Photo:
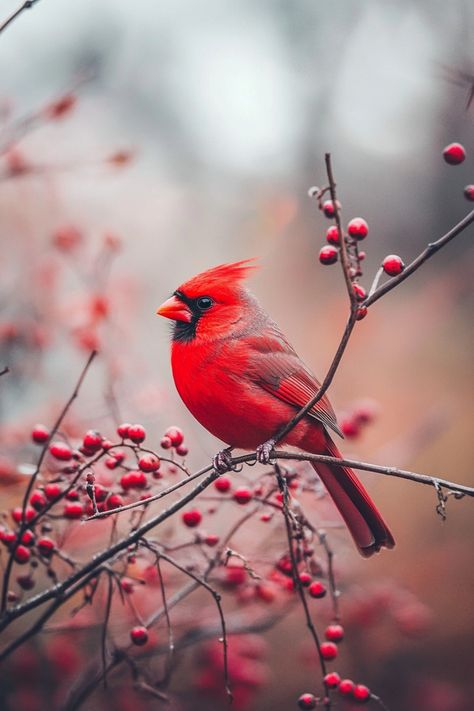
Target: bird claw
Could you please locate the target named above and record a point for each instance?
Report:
(222, 461)
(264, 451)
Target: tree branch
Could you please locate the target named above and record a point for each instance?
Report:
(25, 6)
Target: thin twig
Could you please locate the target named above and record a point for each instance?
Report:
(25, 6)
(430, 250)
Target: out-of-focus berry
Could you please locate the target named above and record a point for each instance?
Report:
(454, 154)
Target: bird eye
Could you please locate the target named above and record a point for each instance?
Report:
(204, 303)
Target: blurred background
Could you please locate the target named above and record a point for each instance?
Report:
(190, 136)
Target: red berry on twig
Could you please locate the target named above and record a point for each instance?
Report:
(329, 208)
(46, 546)
(52, 491)
(361, 313)
(454, 154)
(122, 430)
(358, 228)
(332, 235)
(332, 680)
(149, 463)
(307, 701)
(39, 434)
(393, 265)
(192, 518)
(346, 687)
(359, 291)
(61, 450)
(328, 650)
(242, 496)
(139, 636)
(361, 693)
(317, 589)
(136, 433)
(22, 555)
(92, 441)
(223, 484)
(328, 254)
(176, 436)
(73, 510)
(469, 192)
(38, 500)
(334, 633)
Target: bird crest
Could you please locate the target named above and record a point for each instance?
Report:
(222, 276)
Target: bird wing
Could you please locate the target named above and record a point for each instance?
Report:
(277, 368)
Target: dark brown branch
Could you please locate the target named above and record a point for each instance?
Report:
(430, 250)
(5, 370)
(25, 6)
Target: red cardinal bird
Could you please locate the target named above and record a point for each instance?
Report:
(243, 381)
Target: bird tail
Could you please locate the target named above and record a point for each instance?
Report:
(367, 527)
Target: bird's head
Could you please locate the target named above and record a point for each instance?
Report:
(211, 303)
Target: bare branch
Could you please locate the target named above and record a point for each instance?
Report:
(25, 6)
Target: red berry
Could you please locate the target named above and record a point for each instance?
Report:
(175, 435)
(133, 480)
(8, 537)
(328, 254)
(328, 650)
(454, 154)
(362, 256)
(67, 238)
(165, 443)
(332, 235)
(350, 428)
(149, 463)
(334, 633)
(139, 636)
(359, 291)
(242, 496)
(52, 491)
(307, 701)
(469, 192)
(317, 589)
(39, 434)
(92, 441)
(361, 313)
(112, 462)
(28, 538)
(358, 228)
(182, 450)
(38, 500)
(192, 518)
(26, 582)
(361, 693)
(17, 514)
(100, 493)
(136, 433)
(61, 450)
(114, 502)
(122, 430)
(46, 546)
(22, 555)
(211, 540)
(393, 265)
(305, 579)
(73, 510)
(72, 495)
(329, 207)
(266, 517)
(127, 585)
(223, 484)
(346, 687)
(332, 680)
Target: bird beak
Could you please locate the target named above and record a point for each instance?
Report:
(175, 309)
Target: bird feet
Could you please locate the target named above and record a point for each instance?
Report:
(264, 451)
(222, 461)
